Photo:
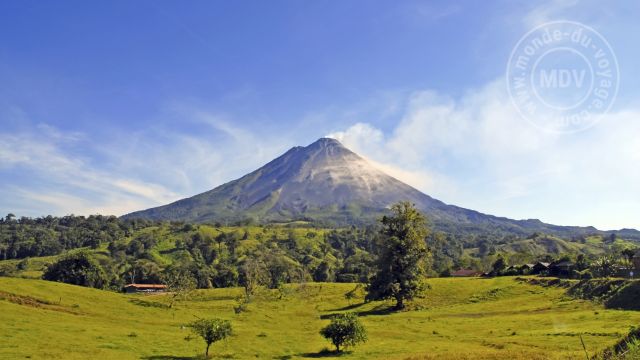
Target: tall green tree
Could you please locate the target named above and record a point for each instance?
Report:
(498, 266)
(402, 255)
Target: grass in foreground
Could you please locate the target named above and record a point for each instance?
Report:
(459, 319)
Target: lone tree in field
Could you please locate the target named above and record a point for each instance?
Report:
(402, 255)
(211, 330)
(344, 330)
(180, 283)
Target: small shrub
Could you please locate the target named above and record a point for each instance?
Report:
(7, 270)
(242, 303)
(240, 308)
(23, 265)
(211, 330)
(345, 330)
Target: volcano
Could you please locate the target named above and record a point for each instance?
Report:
(329, 184)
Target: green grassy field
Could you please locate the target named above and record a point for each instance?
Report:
(497, 318)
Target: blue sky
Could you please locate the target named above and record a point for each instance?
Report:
(117, 106)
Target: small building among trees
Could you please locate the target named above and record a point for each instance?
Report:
(561, 268)
(540, 268)
(144, 288)
(526, 268)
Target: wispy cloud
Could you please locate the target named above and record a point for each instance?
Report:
(53, 173)
(60, 173)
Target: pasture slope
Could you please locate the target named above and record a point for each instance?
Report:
(497, 318)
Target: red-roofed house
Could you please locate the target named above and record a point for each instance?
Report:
(466, 273)
(133, 288)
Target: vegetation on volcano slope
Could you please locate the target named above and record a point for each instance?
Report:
(464, 318)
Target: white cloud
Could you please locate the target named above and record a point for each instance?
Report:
(477, 152)
(359, 135)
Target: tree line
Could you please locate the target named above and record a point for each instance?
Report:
(117, 252)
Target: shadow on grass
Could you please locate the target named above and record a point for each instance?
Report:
(171, 357)
(324, 353)
(378, 310)
(348, 307)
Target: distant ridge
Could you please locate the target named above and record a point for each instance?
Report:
(326, 182)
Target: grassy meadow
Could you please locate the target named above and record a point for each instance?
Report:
(465, 318)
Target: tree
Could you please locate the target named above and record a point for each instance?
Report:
(604, 266)
(344, 330)
(402, 256)
(143, 271)
(225, 275)
(628, 255)
(253, 274)
(582, 263)
(498, 266)
(78, 268)
(9, 217)
(324, 272)
(211, 330)
(180, 282)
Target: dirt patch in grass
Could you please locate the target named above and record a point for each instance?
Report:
(492, 294)
(36, 303)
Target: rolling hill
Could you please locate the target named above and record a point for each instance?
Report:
(498, 318)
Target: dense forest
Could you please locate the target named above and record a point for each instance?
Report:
(45, 236)
(212, 255)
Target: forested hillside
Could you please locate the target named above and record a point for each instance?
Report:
(213, 255)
